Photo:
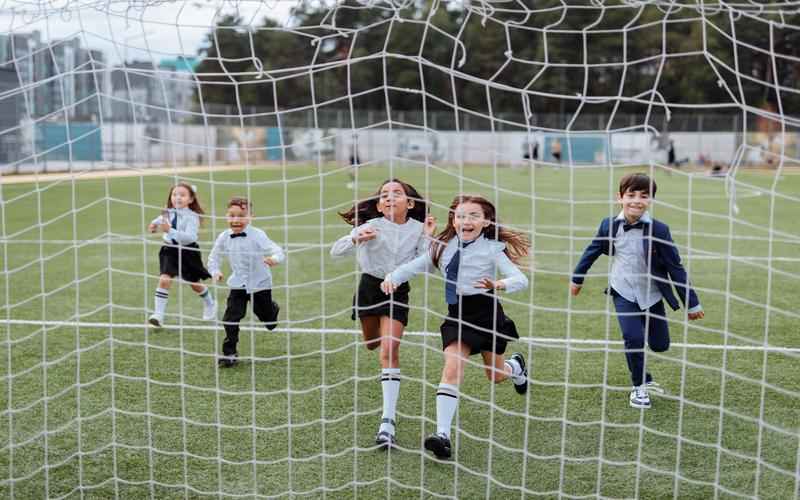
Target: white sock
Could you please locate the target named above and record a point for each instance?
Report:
(162, 296)
(516, 371)
(206, 296)
(446, 405)
(390, 383)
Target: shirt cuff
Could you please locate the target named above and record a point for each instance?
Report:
(696, 309)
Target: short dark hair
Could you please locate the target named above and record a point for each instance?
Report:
(241, 202)
(637, 182)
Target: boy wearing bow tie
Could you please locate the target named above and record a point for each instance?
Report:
(250, 254)
(645, 266)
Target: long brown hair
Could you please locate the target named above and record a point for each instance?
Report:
(367, 209)
(517, 243)
(194, 206)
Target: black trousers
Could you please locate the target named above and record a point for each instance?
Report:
(263, 307)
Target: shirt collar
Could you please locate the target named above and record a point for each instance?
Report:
(644, 218)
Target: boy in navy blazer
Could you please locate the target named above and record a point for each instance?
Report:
(645, 267)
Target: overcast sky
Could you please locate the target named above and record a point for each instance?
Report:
(158, 31)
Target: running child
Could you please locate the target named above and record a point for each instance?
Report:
(469, 252)
(390, 228)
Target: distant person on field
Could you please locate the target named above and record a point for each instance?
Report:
(555, 149)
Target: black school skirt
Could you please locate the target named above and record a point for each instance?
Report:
(184, 261)
(483, 325)
(370, 300)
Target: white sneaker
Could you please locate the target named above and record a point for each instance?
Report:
(156, 320)
(210, 311)
(655, 388)
(639, 397)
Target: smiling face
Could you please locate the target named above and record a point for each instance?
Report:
(394, 203)
(238, 218)
(181, 197)
(634, 204)
(469, 220)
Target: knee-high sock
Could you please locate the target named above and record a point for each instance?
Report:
(446, 405)
(162, 296)
(390, 384)
(206, 296)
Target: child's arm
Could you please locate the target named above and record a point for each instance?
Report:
(215, 258)
(677, 273)
(597, 247)
(514, 280)
(189, 234)
(428, 229)
(346, 245)
(273, 253)
(407, 271)
(153, 226)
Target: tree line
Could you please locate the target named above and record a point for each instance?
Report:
(434, 56)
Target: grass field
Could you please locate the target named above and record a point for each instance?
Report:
(107, 408)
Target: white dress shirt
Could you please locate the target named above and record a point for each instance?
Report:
(481, 259)
(246, 257)
(393, 245)
(630, 276)
(187, 225)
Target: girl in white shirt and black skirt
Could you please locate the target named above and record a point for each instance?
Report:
(390, 228)
(180, 255)
(469, 252)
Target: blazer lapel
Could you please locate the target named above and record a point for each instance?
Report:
(646, 244)
(614, 228)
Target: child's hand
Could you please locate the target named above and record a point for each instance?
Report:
(164, 227)
(430, 225)
(218, 277)
(387, 286)
(490, 284)
(575, 289)
(151, 228)
(270, 261)
(366, 234)
(696, 315)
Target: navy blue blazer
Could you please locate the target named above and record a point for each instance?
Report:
(665, 262)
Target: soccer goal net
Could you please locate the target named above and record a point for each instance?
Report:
(305, 108)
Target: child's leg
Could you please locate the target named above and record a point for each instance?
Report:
(657, 328)
(265, 308)
(455, 355)
(234, 312)
(631, 322)
(162, 294)
(391, 332)
(204, 293)
(371, 331)
(496, 367)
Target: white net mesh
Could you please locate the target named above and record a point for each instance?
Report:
(307, 107)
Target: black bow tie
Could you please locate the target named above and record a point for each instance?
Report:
(636, 225)
(238, 235)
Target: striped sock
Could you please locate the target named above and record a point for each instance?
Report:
(446, 405)
(162, 296)
(390, 384)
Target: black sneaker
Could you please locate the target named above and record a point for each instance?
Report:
(228, 361)
(385, 440)
(439, 444)
(520, 381)
(271, 325)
